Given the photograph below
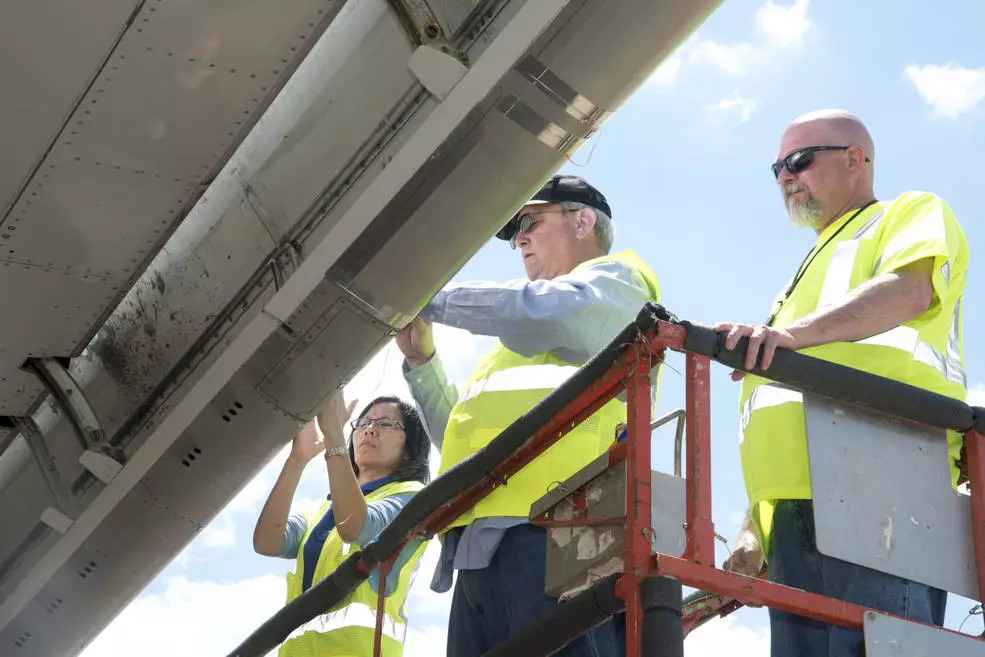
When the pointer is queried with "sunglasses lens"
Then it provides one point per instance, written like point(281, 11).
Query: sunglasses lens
point(799, 161)
point(795, 162)
point(521, 226)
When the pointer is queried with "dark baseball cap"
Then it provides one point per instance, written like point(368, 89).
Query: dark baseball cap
point(560, 189)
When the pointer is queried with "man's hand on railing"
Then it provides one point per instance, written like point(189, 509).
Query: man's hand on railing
point(759, 335)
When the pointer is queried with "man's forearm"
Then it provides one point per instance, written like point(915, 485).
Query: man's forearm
point(874, 307)
point(573, 315)
point(434, 394)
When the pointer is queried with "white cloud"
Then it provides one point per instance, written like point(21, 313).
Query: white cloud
point(220, 533)
point(734, 60)
point(727, 636)
point(951, 91)
point(732, 109)
point(667, 72)
point(778, 27)
point(427, 611)
point(784, 25)
point(190, 619)
point(976, 395)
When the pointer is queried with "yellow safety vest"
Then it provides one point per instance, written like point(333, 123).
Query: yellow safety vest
point(504, 386)
point(924, 352)
point(349, 628)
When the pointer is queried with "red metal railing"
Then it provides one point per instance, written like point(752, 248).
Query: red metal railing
point(630, 371)
point(696, 567)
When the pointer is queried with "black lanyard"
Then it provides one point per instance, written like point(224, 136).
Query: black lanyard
point(806, 263)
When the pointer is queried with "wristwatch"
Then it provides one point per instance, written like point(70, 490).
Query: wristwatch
point(339, 450)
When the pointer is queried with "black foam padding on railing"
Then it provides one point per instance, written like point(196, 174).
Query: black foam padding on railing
point(838, 382)
point(979, 419)
point(570, 620)
point(315, 601)
point(662, 630)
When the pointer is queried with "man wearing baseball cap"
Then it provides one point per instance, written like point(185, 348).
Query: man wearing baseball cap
point(577, 297)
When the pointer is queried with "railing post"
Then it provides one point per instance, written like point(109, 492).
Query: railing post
point(637, 546)
point(700, 529)
point(381, 606)
point(975, 446)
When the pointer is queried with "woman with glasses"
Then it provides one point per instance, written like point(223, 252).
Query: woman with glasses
point(370, 481)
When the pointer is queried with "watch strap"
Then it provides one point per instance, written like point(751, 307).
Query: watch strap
point(339, 450)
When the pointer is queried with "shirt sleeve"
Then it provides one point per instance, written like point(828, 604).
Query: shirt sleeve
point(379, 514)
point(434, 394)
point(574, 315)
point(923, 226)
point(290, 545)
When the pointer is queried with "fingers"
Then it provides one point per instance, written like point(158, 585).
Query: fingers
point(736, 333)
point(722, 326)
point(737, 375)
point(755, 340)
point(769, 348)
point(351, 407)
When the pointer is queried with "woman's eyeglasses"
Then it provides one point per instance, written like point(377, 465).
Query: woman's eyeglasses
point(382, 423)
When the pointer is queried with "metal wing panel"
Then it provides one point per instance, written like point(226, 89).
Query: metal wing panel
point(114, 134)
point(44, 309)
point(49, 51)
point(93, 217)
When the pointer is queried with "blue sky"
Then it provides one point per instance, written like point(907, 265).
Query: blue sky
point(685, 166)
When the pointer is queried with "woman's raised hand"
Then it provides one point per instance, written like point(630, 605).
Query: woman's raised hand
point(332, 417)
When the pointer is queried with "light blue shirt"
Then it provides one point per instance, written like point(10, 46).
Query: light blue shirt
point(379, 514)
point(574, 316)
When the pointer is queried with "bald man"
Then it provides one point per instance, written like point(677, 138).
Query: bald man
point(881, 292)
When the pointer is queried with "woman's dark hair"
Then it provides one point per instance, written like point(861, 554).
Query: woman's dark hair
point(417, 445)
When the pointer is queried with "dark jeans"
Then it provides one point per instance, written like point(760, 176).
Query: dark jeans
point(795, 561)
point(496, 602)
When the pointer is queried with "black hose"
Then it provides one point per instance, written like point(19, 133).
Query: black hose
point(570, 620)
point(662, 631)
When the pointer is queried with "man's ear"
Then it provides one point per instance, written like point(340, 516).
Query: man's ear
point(585, 223)
point(856, 160)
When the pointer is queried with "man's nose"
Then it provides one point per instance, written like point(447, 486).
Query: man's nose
point(785, 176)
point(521, 240)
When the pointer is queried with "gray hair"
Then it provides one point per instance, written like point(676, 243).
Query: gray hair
point(605, 230)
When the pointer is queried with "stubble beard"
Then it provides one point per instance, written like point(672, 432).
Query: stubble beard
point(804, 211)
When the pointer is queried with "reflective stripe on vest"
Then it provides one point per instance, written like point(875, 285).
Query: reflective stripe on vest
point(924, 352)
point(524, 377)
point(837, 283)
point(350, 628)
point(765, 396)
point(504, 385)
point(355, 614)
point(908, 339)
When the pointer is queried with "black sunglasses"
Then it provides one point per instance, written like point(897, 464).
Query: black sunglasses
point(526, 221)
point(802, 158)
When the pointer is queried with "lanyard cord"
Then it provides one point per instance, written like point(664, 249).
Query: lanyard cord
point(808, 259)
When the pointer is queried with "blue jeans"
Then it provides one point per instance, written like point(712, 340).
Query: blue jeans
point(494, 603)
point(794, 561)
